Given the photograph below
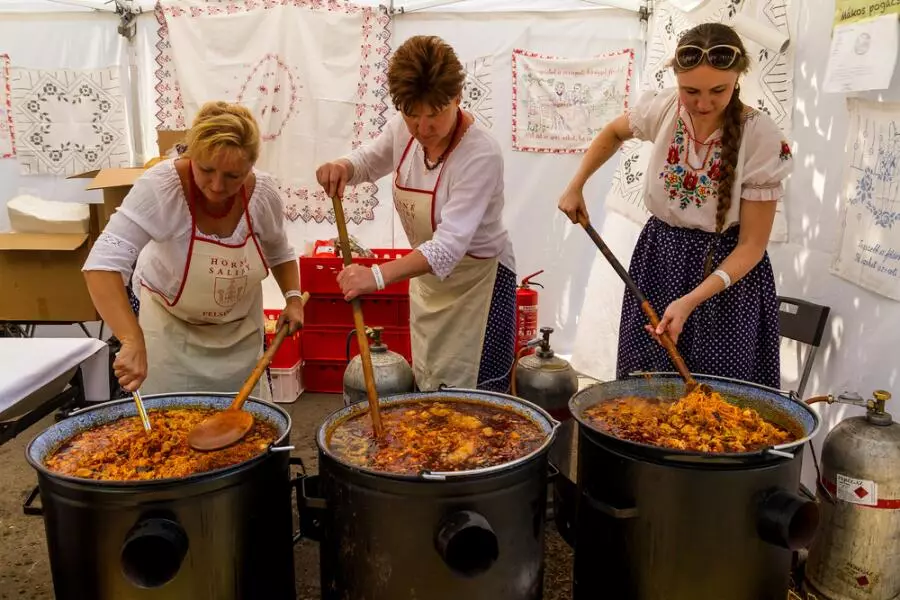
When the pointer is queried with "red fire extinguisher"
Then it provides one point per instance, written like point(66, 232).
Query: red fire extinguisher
point(527, 312)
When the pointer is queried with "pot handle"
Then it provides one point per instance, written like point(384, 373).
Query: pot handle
point(553, 473)
point(609, 510)
point(310, 504)
point(27, 506)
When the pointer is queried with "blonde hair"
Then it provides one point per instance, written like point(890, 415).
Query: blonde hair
point(221, 125)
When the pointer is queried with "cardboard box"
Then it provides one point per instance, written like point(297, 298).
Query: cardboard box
point(42, 278)
point(41, 273)
point(167, 139)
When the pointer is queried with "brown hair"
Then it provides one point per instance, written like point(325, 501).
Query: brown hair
point(221, 125)
point(425, 69)
point(708, 35)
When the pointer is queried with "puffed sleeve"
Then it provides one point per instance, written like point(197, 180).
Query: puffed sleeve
point(271, 231)
point(768, 160)
point(145, 214)
point(646, 116)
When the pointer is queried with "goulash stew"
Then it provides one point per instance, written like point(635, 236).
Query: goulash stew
point(436, 436)
point(698, 422)
point(123, 451)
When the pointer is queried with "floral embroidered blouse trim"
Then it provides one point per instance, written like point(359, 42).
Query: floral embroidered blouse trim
point(684, 183)
point(694, 185)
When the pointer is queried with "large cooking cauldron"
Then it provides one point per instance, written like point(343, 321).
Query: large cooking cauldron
point(219, 535)
point(662, 524)
point(473, 535)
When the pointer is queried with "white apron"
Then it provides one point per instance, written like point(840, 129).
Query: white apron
point(210, 336)
point(448, 319)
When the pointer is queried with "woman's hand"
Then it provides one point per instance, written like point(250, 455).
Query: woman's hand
point(130, 366)
point(572, 204)
point(333, 177)
point(673, 320)
point(356, 280)
point(292, 314)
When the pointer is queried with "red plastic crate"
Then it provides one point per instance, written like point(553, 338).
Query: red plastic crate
point(330, 343)
point(291, 351)
point(378, 311)
point(318, 274)
point(324, 376)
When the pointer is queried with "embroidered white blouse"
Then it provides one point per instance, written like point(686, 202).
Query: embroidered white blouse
point(468, 211)
point(154, 226)
point(680, 185)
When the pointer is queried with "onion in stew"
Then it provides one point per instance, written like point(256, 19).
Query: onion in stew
point(697, 422)
point(122, 451)
point(436, 436)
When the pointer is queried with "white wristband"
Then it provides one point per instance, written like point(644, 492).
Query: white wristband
point(379, 278)
point(725, 277)
point(292, 294)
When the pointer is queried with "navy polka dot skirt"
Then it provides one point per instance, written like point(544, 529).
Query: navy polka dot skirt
point(499, 349)
point(733, 334)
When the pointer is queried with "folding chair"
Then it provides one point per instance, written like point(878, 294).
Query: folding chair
point(803, 322)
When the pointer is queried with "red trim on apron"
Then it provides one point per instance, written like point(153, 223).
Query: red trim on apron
point(189, 198)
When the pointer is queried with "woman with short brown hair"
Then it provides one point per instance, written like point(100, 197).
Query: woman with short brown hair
point(447, 175)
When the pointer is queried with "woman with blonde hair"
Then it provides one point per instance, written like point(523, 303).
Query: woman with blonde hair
point(715, 176)
point(205, 229)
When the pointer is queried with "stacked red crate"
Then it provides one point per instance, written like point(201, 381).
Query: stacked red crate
point(328, 318)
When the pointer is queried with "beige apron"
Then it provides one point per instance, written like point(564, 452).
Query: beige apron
point(210, 336)
point(448, 318)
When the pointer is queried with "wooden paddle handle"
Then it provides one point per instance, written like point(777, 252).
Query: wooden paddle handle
point(666, 341)
point(263, 362)
point(361, 337)
point(668, 344)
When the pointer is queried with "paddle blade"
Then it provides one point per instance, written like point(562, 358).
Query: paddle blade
point(220, 430)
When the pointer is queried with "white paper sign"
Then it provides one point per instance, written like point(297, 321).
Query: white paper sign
point(863, 55)
point(857, 491)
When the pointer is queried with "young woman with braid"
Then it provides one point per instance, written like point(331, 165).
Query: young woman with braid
point(712, 185)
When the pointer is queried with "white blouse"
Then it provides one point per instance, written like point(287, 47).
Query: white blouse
point(468, 211)
point(680, 186)
point(153, 225)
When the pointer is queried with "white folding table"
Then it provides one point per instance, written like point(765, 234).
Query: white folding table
point(41, 375)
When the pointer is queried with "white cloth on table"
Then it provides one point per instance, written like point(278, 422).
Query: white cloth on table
point(468, 206)
point(764, 161)
point(155, 218)
point(29, 364)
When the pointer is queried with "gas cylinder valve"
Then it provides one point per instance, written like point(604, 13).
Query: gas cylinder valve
point(874, 405)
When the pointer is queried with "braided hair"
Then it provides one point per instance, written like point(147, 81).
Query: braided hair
point(708, 35)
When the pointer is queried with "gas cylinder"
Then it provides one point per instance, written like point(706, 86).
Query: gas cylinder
point(393, 375)
point(856, 552)
point(526, 312)
point(550, 382)
point(545, 379)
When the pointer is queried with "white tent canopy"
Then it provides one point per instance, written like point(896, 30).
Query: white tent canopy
point(31, 6)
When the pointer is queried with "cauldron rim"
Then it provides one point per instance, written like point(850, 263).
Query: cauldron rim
point(532, 411)
point(125, 407)
point(578, 403)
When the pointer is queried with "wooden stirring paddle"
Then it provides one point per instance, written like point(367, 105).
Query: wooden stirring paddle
point(690, 383)
point(232, 424)
point(361, 337)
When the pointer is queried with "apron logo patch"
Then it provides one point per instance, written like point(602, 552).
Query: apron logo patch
point(229, 290)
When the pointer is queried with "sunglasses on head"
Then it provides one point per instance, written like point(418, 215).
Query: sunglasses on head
point(719, 57)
